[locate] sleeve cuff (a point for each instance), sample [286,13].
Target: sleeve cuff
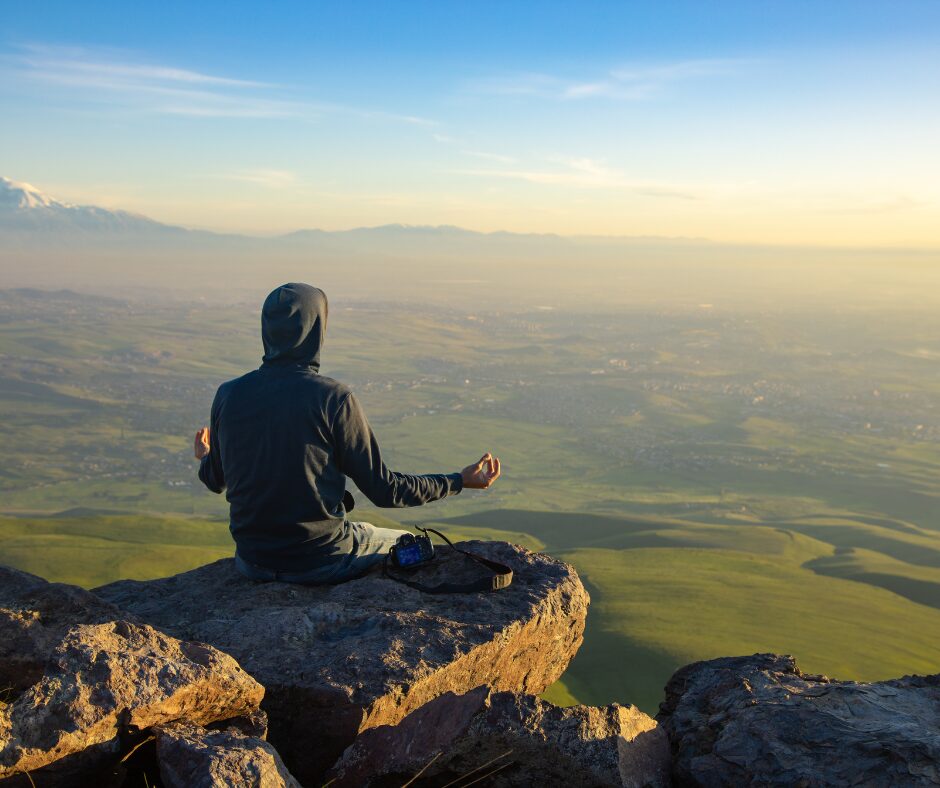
[456,483]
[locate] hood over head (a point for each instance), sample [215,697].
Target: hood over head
[293,325]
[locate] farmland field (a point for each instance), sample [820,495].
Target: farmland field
[724,481]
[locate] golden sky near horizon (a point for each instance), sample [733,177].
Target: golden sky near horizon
[796,123]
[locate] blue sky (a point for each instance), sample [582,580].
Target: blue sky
[770,122]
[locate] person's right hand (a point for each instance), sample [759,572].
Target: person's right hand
[201,443]
[481,474]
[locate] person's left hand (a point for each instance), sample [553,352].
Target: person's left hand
[482,473]
[201,443]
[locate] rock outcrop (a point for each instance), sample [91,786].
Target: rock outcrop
[189,756]
[81,674]
[505,739]
[760,720]
[337,660]
[388,685]
[34,617]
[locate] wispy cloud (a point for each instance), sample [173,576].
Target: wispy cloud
[584,173]
[72,65]
[271,179]
[628,83]
[113,77]
[118,78]
[411,120]
[497,157]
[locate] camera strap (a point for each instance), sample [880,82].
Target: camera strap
[501,577]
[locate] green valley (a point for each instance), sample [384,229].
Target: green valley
[725,481]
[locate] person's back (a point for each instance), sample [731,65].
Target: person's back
[275,446]
[281,441]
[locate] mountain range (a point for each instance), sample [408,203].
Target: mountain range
[24,209]
[46,242]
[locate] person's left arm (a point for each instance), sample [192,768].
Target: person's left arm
[358,457]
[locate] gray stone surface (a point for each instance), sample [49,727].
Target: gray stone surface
[336,660]
[80,674]
[759,720]
[34,617]
[517,740]
[190,756]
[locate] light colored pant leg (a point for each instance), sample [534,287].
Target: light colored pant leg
[371,545]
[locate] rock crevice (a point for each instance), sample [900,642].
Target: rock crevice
[90,674]
[509,739]
[337,660]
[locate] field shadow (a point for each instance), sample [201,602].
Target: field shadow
[611,668]
[924,592]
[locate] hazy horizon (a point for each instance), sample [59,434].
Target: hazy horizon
[793,123]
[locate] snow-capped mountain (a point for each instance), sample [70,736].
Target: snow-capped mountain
[23,196]
[25,209]
[31,219]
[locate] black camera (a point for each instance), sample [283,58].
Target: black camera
[410,551]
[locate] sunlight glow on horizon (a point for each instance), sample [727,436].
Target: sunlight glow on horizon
[756,137]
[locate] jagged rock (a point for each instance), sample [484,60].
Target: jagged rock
[34,617]
[81,676]
[336,660]
[192,757]
[511,740]
[760,720]
[254,724]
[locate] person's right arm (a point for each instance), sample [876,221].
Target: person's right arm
[206,447]
[359,457]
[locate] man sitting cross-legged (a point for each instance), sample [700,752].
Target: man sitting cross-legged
[281,442]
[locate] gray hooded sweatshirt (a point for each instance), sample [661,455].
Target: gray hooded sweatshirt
[283,439]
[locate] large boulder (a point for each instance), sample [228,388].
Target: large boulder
[507,739]
[34,617]
[82,676]
[337,660]
[760,720]
[189,756]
